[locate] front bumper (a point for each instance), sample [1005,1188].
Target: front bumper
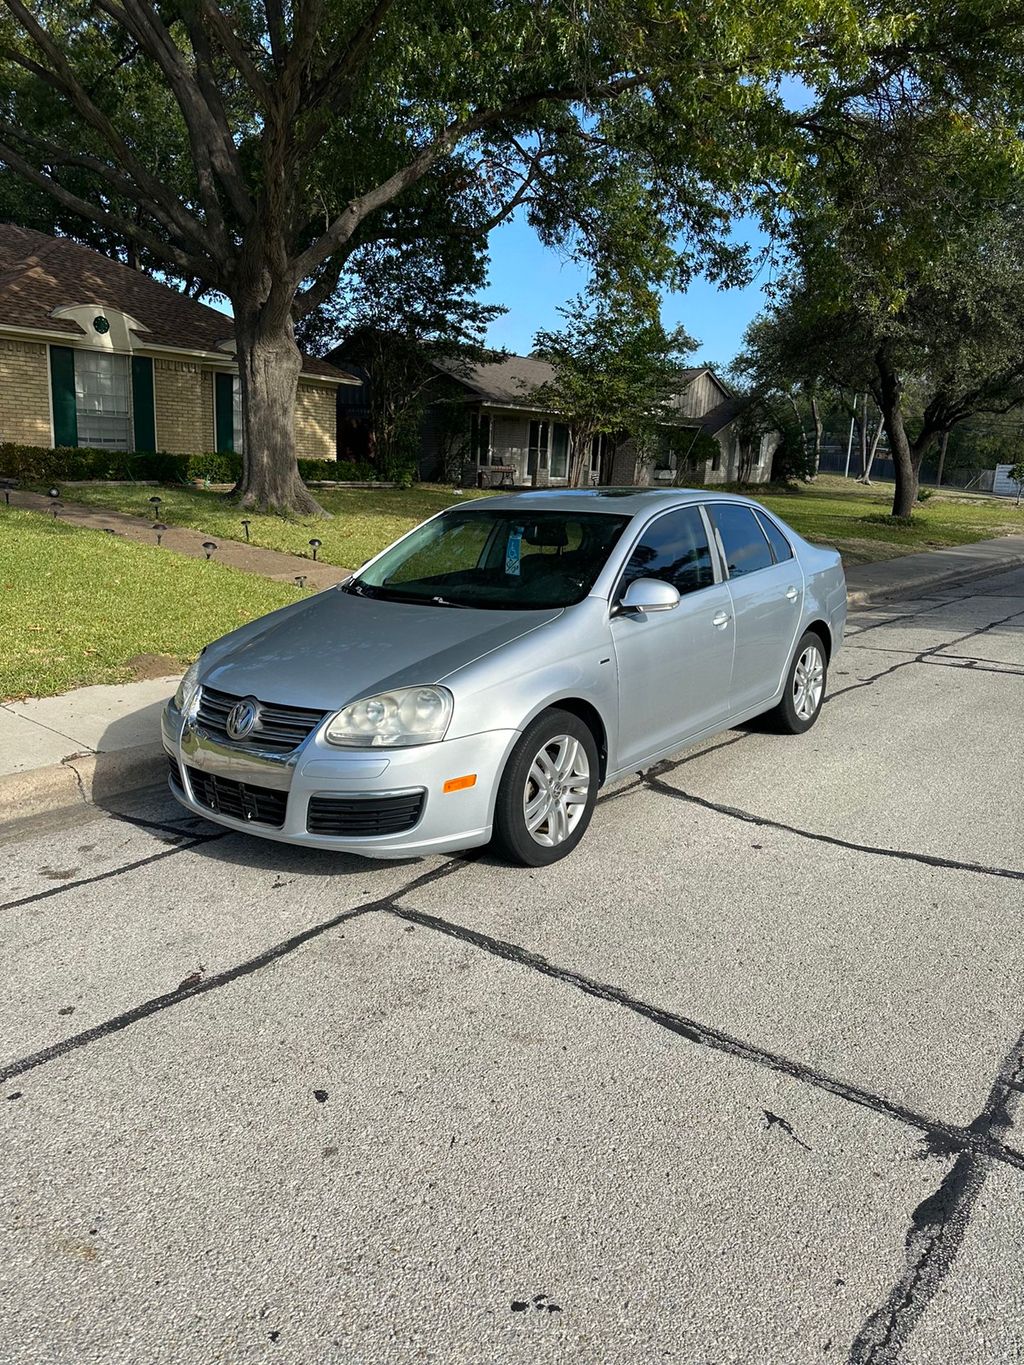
[447,821]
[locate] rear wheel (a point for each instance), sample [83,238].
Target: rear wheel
[547,792]
[805,687]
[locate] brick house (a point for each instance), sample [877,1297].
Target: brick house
[93,353]
[491,408]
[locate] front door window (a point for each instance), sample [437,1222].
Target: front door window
[537,457]
[559,451]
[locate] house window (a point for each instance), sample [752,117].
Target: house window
[227,412]
[537,458]
[480,438]
[559,451]
[103,400]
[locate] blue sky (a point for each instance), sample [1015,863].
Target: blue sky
[532,281]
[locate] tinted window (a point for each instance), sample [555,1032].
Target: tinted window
[675,548]
[746,549]
[781,547]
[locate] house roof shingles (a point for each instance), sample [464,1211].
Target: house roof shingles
[39,274]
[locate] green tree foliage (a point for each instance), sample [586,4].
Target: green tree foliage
[256,148]
[616,369]
[399,311]
[907,275]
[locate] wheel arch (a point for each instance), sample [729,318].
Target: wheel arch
[820,628]
[591,717]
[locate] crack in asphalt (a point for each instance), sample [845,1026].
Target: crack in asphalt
[938,1226]
[947,1136]
[653,781]
[922,656]
[119,1022]
[193,842]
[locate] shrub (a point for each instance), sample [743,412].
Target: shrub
[40,464]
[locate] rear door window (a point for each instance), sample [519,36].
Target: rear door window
[675,549]
[744,543]
[781,547]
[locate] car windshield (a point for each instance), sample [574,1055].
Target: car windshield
[504,560]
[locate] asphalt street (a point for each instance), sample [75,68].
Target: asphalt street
[742,1080]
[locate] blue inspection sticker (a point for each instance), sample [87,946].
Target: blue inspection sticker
[514,551]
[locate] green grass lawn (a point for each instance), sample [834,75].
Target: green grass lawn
[832,510]
[82,607]
[841,512]
[363,520]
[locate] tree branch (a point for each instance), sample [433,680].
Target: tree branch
[163,250]
[63,78]
[346,223]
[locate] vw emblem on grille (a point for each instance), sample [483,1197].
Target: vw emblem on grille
[243,718]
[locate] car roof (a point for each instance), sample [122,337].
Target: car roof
[624,501]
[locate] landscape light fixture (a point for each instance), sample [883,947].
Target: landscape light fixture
[110,530]
[55,508]
[7,485]
[159,528]
[245,523]
[209,546]
[155,504]
[301,580]
[54,493]
[314,545]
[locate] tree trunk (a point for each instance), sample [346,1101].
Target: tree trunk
[890,397]
[579,455]
[816,415]
[269,364]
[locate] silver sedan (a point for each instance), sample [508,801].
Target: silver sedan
[483,677]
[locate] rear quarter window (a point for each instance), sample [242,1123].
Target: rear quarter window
[781,547]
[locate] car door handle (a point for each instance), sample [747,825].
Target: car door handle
[792,593]
[721,620]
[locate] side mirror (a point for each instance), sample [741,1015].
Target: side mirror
[649,594]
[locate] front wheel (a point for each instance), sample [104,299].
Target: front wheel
[805,687]
[547,792]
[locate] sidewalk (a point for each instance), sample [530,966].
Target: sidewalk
[97,742]
[907,575]
[79,748]
[276,564]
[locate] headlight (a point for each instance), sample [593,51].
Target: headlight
[188,687]
[409,715]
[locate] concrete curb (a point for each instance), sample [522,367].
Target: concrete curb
[912,584]
[86,779]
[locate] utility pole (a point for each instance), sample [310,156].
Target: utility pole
[849,443]
[942,458]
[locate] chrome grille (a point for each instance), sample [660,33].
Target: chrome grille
[279,729]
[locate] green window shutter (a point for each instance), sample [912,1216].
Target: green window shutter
[143,411]
[62,387]
[224,412]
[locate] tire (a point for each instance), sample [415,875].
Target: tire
[805,687]
[550,783]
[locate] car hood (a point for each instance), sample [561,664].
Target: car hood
[336,647]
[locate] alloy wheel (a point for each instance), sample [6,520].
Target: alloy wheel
[808,682]
[555,794]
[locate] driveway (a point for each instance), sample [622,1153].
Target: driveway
[739,1081]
